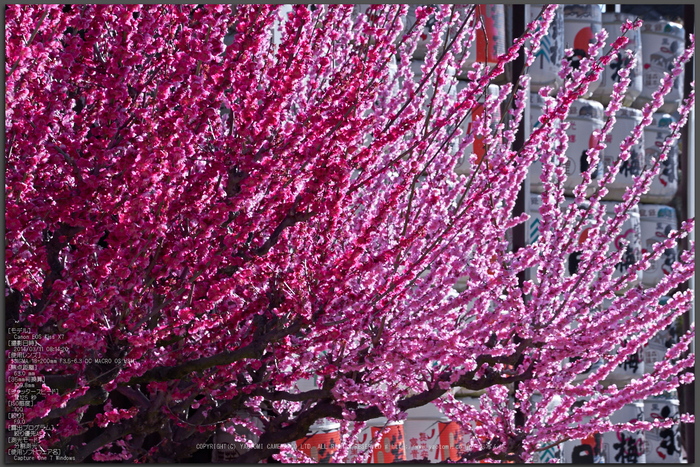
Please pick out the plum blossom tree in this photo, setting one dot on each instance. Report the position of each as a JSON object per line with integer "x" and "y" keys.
{"x": 193, "y": 227}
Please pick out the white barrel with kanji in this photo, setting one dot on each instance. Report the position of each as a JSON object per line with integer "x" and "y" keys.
{"x": 226, "y": 447}
{"x": 449, "y": 87}
{"x": 612, "y": 22}
{"x": 588, "y": 450}
{"x": 627, "y": 119}
{"x": 545, "y": 70}
{"x": 657, "y": 222}
{"x": 490, "y": 41}
{"x": 663, "y": 445}
{"x": 585, "y": 117}
{"x": 537, "y": 103}
{"x": 535, "y": 222}
{"x": 429, "y": 105}
{"x": 581, "y": 24}
{"x": 425, "y": 35}
{"x": 630, "y": 369}
{"x": 625, "y": 447}
{"x": 665, "y": 184}
{"x": 631, "y": 232}
{"x": 468, "y": 125}
{"x": 656, "y": 348}
{"x": 384, "y": 449}
{"x": 662, "y": 43}
{"x": 553, "y": 453}
{"x": 321, "y": 441}
{"x": 377, "y": 17}
{"x": 431, "y": 435}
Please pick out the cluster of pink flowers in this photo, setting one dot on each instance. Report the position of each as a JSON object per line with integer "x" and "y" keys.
{"x": 210, "y": 203}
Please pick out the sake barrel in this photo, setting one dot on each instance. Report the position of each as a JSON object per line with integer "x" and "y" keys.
{"x": 384, "y": 449}
{"x": 376, "y": 17}
{"x": 627, "y": 119}
{"x": 581, "y": 24}
{"x": 477, "y": 113}
{"x": 535, "y": 223}
{"x": 537, "y": 104}
{"x": 665, "y": 184}
{"x": 449, "y": 87}
{"x": 656, "y": 348}
{"x": 321, "y": 441}
{"x": 555, "y": 453}
{"x": 612, "y": 22}
{"x": 632, "y": 233}
{"x": 630, "y": 369}
{"x": 657, "y": 222}
{"x": 662, "y": 445}
{"x": 662, "y": 43}
{"x": 625, "y": 447}
{"x": 584, "y": 451}
{"x": 490, "y": 39}
{"x": 588, "y": 450}
{"x": 425, "y": 35}
{"x": 431, "y": 435}
{"x": 585, "y": 117}
{"x": 226, "y": 448}
{"x": 545, "y": 70}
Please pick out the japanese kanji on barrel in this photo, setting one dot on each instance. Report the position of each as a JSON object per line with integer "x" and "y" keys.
{"x": 478, "y": 148}
{"x": 657, "y": 222}
{"x": 537, "y": 104}
{"x": 612, "y": 22}
{"x": 663, "y": 445}
{"x": 662, "y": 43}
{"x": 384, "y": 449}
{"x": 625, "y": 447}
{"x": 627, "y": 119}
{"x": 665, "y": 184}
{"x": 545, "y": 70}
{"x": 322, "y": 440}
{"x": 431, "y": 435}
{"x": 588, "y": 450}
{"x": 585, "y": 117}
{"x": 581, "y": 24}
{"x": 655, "y": 350}
{"x": 631, "y": 232}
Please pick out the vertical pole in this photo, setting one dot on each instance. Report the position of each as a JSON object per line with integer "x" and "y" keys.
{"x": 522, "y": 201}
{"x": 521, "y": 16}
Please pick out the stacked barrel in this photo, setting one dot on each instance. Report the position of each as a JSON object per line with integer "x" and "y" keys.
{"x": 655, "y": 47}
{"x": 427, "y": 433}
